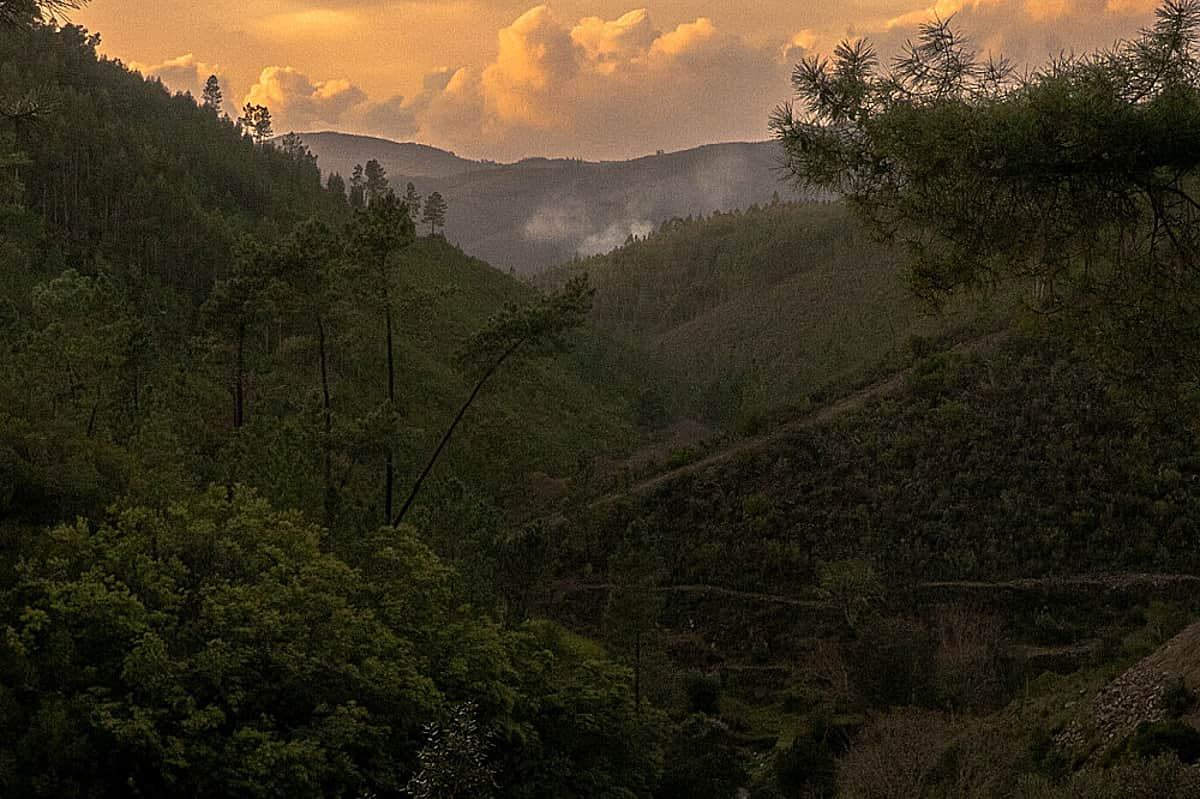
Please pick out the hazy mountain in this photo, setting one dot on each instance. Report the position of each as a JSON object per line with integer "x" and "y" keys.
{"x": 539, "y": 212}
{"x": 339, "y": 152}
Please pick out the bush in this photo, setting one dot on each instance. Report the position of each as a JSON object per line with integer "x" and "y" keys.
{"x": 703, "y": 693}
{"x": 892, "y": 663}
{"x": 1166, "y": 737}
{"x": 1178, "y": 700}
{"x": 806, "y": 767}
{"x": 702, "y": 761}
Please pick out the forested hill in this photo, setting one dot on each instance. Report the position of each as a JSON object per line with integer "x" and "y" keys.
{"x": 539, "y": 212}
{"x": 218, "y": 385}
{"x": 130, "y": 218}
{"x": 121, "y": 173}
{"x": 763, "y": 308}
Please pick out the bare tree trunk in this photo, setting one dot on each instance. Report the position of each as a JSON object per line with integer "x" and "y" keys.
{"x": 412, "y": 496}
{"x": 327, "y": 410}
{"x": 389, "y": 478}
{"x": 239, "y": 370}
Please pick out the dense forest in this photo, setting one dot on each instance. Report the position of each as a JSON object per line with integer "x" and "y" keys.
{"x": 298, "y": 499}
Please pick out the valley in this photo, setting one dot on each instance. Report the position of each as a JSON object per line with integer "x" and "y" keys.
{"x": 655, "y": 479}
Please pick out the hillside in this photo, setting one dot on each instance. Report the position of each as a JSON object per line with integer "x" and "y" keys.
{"x": 539, "y": 212}
{"x": 340, "y": 152}
{"x": 988, "y": 536}
{"x": 765, "y": 308}
{"x": 132, "y": 210}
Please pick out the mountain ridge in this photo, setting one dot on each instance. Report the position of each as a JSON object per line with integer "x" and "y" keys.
{"x": 535, "y": 213}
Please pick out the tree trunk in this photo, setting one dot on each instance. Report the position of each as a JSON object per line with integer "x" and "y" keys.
{"x": 389, "y": 477}
{"x": 327, "y": 411}
{"x": 637, "y": 671}
{"x": 239, "y": 370}
{"x": 412, "y": 496}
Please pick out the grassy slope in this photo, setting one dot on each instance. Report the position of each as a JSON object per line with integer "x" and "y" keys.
{"x": 761, "y": 309}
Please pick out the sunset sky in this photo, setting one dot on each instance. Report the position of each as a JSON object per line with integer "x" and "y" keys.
{"x": 589, "y": 78}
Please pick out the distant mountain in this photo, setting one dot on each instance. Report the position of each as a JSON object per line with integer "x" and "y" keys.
{"x": 339, "y": 152}
{"x": 540, "y": 212}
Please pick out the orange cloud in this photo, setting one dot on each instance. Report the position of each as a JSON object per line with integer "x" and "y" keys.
{"x": 185, "y": 73}
{"x": 536, "y": 55}
{"x": 608, "y": 41}
{"x": 298, "y": 102}
{"x": 688, "y": 36}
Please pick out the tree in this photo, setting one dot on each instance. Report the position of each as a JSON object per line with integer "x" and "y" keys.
{"x": 22, "y": 12}
{"x": 1077, "y": 181}
{"x": 634, "y": 608}
{"x": 540, "y": 327}
{"x": 358, "y": 188}
{"x": 81, "y": 337}
{"x": 412, "y": 200}
{"x": 213, "y": 99}
{"x": 235, "y": 303}
{"x": 455, "y": 760}
{"x": 256, "y": 121}
{"x": 307, "y": 271}
{"x": 374, "y": 237}
{"x": 336, "y": 185}
{"x": 852, "y": 587}
{"x": 376, "y": 181}
{"x": 435, "y": 212}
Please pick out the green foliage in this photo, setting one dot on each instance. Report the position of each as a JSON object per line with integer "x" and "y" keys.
{"x": 1076, "y": 180}
{"x": 1178, "y": 699}
{"x": 890, "y": 663}
{"x": 216, "y": 649}
{"x": 1166, "y": 737}
{"x": 1013, "y": 463}
{"x": 703, "y": 693}
{"x": 1165, "y": 777}
{"x": 751, "y": 310}
{"x": 455, "y": 760}
{"x": 852, "y": 586}
{"x": 805, "y": 767}
{"x": 701, "y": 760}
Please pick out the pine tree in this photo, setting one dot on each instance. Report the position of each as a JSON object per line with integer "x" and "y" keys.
{"x": 377, "y": 182}
{"x": 412, "y": 200}
{"x": 358, "y": 189}
{"x": 435, "y": 212}
{"x": 256, "y": 121}
{"x": 213, "y": 99}
{"x": 336, "y": 185}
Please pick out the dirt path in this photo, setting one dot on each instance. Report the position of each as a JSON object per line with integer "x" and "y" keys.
{"x": 1103, "y": 582}
{"x": 1108, "y": 582}
{"x": 847, "y": 404}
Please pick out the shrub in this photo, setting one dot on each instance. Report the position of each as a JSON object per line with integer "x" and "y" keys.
{"x": 703, "y": 693}
{"x": 892, "y": 663}
{"x": 1166, "y": 737}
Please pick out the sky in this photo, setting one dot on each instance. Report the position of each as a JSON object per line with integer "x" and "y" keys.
{"x": 595, "y": 79}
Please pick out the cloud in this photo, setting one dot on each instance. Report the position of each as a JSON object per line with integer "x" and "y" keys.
{"x": 536, "y": 57}
{"x": 688, "y": 37}
{"x": 298, "y": 102}
{"x": 601, "y": 85}
{"x": 621, "y": 86}
{"x": 185, "y": 73}
{"x": 607, "y": 42}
